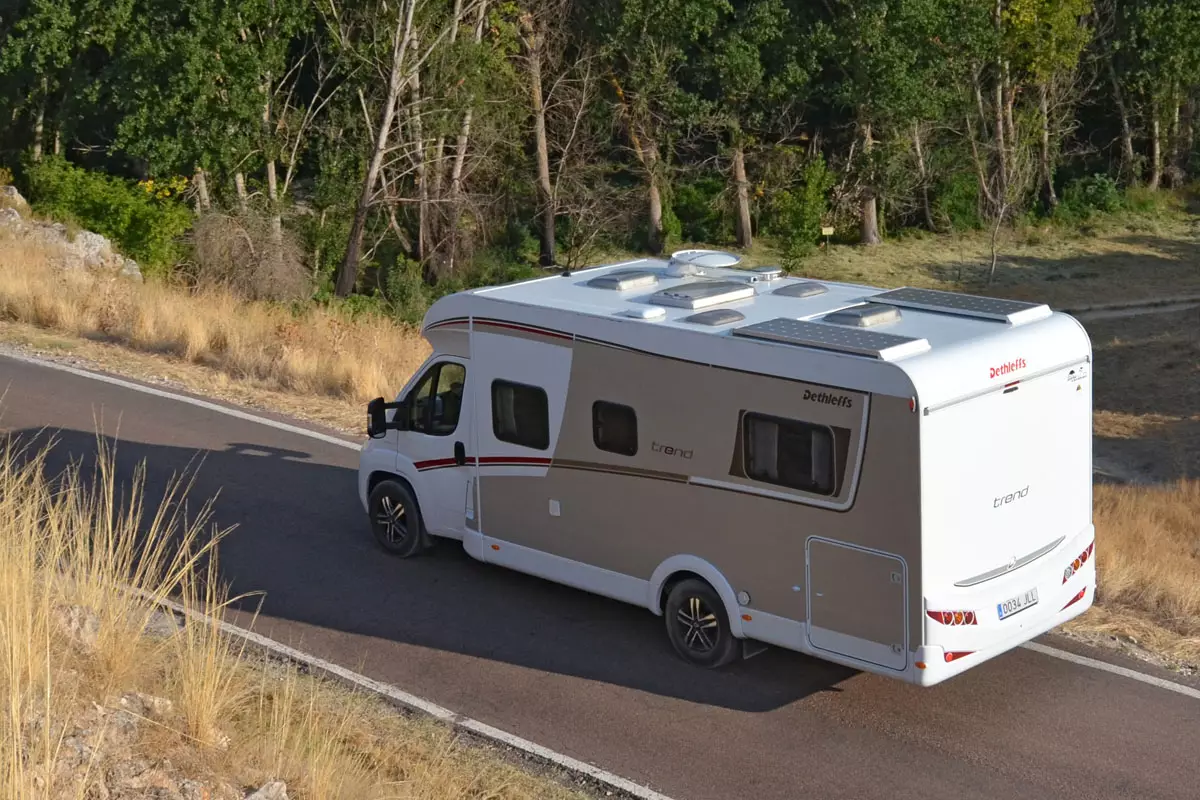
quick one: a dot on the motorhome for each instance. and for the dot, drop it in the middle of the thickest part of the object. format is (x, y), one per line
(896, 480)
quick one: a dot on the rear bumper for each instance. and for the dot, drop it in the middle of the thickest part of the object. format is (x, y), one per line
(949, 650)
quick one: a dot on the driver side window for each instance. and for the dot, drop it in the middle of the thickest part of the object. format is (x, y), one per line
(436, 401)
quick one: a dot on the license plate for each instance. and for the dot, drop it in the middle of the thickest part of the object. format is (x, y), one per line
(1016, 604)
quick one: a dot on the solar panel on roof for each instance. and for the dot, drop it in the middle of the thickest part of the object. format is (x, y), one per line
(885, 346)
(1014, 312)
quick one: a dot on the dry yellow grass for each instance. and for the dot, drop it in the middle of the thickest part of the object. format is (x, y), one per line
(1148, 564)
(89, 696)
(315, 352)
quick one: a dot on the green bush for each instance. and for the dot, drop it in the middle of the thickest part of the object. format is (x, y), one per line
(144, 220)
(956, 202)
(700, 210)
(795, 215)
(1083, 197)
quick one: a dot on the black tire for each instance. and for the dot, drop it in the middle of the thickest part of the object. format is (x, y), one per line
(698, 625)
(395, 519)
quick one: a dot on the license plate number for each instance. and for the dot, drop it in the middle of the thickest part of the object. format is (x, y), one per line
(1017, 604)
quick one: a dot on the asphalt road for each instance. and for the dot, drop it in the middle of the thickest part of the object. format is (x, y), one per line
(596, 679)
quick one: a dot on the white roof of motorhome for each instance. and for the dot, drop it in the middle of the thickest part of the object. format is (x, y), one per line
(925, 333)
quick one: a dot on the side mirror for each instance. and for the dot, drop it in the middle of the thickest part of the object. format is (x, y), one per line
(377, 422)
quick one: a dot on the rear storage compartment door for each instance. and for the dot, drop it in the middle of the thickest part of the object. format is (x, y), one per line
(857, 603)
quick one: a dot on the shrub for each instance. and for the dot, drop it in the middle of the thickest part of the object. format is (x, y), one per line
(796, 215)
(1083, 197)
(145, 221)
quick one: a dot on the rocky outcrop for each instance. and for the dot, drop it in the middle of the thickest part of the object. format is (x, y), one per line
(65, 249)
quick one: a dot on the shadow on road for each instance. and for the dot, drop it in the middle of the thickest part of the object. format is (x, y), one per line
(302, 539)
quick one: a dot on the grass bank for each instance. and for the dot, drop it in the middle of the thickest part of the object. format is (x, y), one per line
(100, 698)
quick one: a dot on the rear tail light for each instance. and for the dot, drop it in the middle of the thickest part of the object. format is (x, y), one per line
(953, 617)
(1078, 596)
(1079, 561)
(954, 655)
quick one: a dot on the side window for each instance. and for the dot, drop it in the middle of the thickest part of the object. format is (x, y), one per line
(436, 402)
(798, 455)
(614, 428)
(520, 414)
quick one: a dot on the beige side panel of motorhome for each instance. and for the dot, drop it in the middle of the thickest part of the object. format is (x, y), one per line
(629, 514)
(857, 600)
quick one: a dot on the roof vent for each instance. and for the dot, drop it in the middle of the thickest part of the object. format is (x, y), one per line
(765, 274)
(716, 316)
(694, 262)
(802, 289)
(642, 312)
(867, 315)
(624, 279)
(701, 294)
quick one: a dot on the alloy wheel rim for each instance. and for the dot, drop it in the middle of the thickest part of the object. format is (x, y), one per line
(698, 625)
(392, 519)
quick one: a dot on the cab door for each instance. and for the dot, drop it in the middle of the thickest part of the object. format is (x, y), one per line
(436, 441)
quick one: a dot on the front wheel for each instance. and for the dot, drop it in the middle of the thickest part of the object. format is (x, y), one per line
(698, 625)
(395, 518)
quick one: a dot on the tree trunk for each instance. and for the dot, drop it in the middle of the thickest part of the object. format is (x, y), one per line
(460, 155)
(348, 271)
(39, 123)
(1047, 166)
(545, 187)
(203, 200)
(239, 182)
(923, 174)
(870, 209)
(1186, 138)
(1001, 148)
(421, 167)
(1155, 147)
(745, 237)
(1127, 157)
(654, 195)
(1175, 172)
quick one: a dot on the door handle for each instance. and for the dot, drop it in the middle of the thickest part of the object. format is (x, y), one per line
(460, 454)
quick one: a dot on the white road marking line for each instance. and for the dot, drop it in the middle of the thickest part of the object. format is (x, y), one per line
(1084, 661)
(299, 431)
(432, 709)
(220, 409)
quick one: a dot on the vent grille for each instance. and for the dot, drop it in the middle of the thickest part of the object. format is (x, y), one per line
(701, 294)
(864, 316)
(801, 289)
(624, 279)
(716, 316)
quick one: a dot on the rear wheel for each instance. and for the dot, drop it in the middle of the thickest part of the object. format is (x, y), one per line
(698, 625)
(396, 518)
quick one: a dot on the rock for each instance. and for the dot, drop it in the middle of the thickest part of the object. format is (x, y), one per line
(147, 706)
(154, 782)
(65, 250)
(81, 625)
(10, 199)
(271, 790)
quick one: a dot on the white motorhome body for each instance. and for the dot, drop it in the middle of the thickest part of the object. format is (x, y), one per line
(894, 480)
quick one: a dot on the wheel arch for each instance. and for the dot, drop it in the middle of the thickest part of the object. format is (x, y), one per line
(681, 567)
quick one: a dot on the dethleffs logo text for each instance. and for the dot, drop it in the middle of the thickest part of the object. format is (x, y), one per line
(828, 398)
(1005, 369)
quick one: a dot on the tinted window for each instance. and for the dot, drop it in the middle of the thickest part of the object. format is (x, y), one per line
(436, 402)
(614, 428)
(789, 453)
(520, 414)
